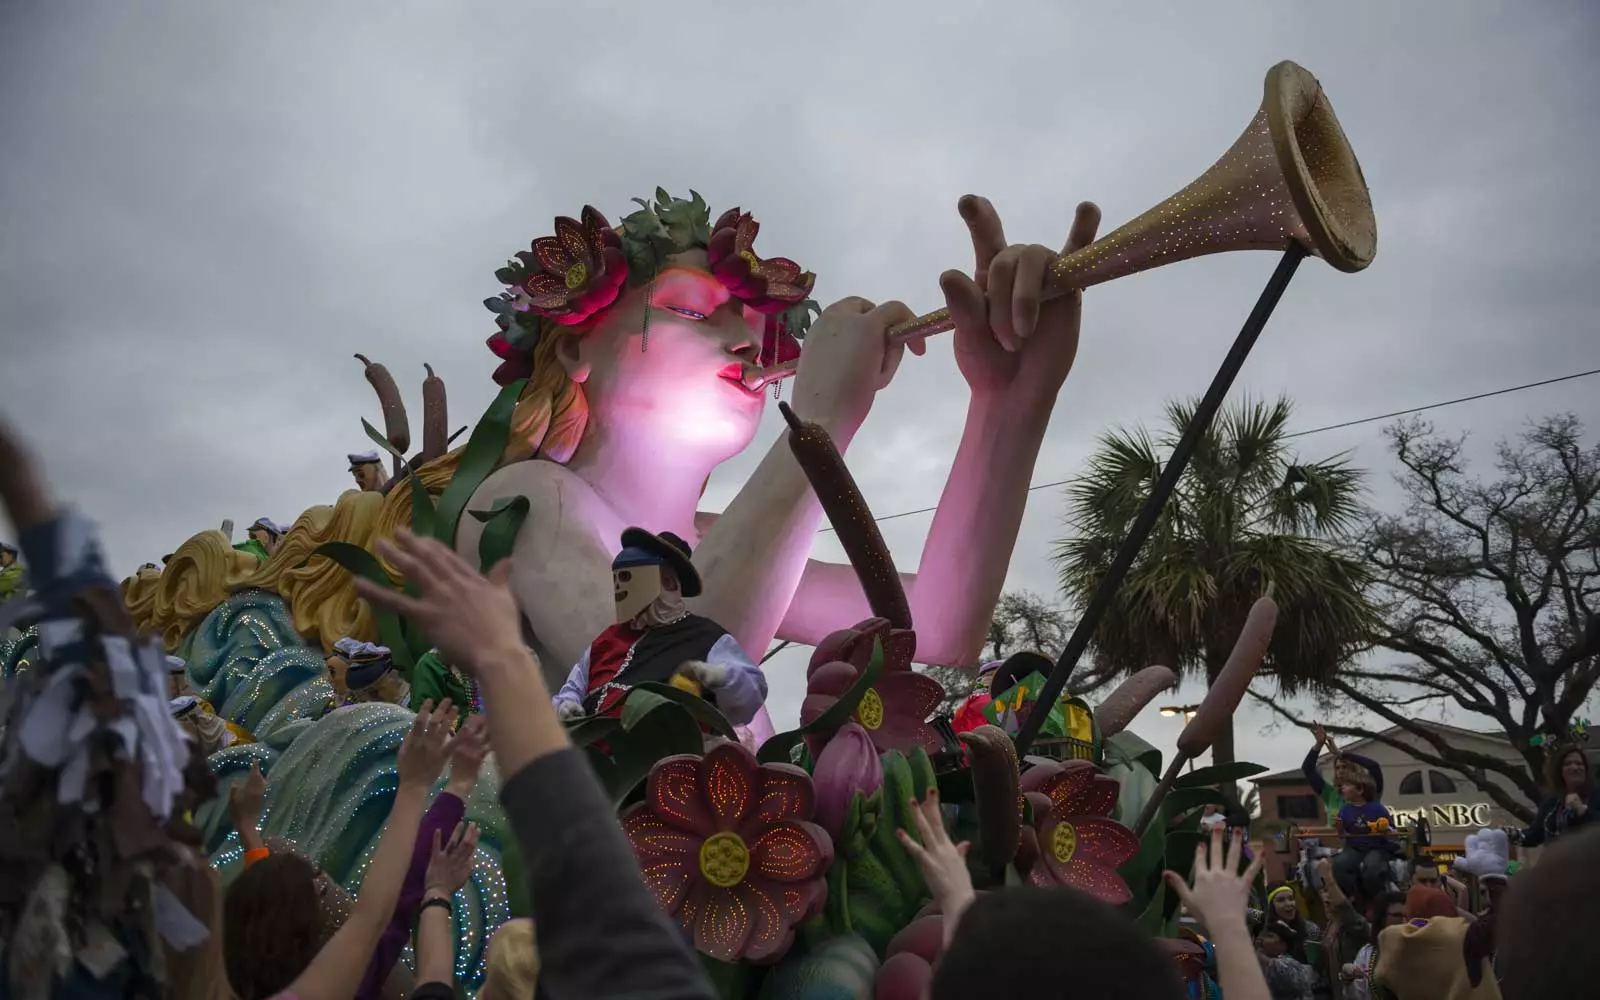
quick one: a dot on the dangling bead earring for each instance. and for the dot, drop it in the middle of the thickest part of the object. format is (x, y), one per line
(649, 300)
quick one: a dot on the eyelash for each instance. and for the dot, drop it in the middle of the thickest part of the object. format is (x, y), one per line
(686, 313)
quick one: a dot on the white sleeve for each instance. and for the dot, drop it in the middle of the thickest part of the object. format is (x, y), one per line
(745, 690)
(577, 684)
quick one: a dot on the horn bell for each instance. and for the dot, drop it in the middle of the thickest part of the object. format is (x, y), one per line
(1291, 177)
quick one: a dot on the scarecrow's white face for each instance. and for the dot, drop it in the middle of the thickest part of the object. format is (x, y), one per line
(636, 588)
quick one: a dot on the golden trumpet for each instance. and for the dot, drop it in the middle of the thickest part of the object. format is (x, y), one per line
(1292, 177)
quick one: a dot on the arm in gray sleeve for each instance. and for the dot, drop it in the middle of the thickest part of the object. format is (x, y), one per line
(744, 689)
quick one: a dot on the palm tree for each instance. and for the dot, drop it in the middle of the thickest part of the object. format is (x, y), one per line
(1246, 516)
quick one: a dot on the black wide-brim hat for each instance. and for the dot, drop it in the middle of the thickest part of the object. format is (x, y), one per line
(670, 549)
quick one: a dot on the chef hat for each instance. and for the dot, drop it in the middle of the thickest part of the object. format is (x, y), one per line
(177, 665)
(363, 458)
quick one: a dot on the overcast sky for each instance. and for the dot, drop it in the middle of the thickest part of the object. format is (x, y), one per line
(206, 208)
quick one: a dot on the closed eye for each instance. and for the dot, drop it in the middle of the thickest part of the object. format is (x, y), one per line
(686, 313)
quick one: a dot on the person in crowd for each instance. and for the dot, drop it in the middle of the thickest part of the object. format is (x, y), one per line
(1288, 978)
(1573, 799)
(367, 469)
(91, 837)
(1388, 910)
(1434, 955)
(272, 916)
(511, 963)
(1285, 907)
(601, 933)
(448, 870)
(1362, 866)
(1545, 947)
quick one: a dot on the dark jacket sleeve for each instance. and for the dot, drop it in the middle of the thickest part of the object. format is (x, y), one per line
(443, 815)
(1373, 769)
(1309, 768)
(1533, 836)
(601, 932)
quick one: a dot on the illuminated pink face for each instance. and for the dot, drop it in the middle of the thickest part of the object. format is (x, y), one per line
(684, 383)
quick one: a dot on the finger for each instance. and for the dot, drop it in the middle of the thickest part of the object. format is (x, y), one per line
(1085, 225)
(851, 305)
(935, 818)
(1254, 871)
(437, 849)
(913, 848)
(1202, 857)
(921, 820)
(968, 307)
(988, 235)
(470, 844)
(891, 313)
(255, 769)
(500, 573)
(389, 599)
(1026, 288)
(963, 847)
(1181, 887)
(1232, 853)
(1002, 280)
(918, 346)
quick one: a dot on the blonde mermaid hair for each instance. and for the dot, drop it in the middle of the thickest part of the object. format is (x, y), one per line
(512, 965)
(552, 413)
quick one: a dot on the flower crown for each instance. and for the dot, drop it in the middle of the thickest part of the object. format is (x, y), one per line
(1576, 736)
(579, 273)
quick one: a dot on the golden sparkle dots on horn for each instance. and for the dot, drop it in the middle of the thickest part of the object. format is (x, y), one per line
(1290, 177)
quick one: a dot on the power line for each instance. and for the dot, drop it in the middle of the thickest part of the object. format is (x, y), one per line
(1327, 427)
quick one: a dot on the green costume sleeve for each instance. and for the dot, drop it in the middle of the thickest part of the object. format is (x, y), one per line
(432, 679)
(10, 581)
(253, 547)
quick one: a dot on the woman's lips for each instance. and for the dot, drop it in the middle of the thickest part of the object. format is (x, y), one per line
(735, 373)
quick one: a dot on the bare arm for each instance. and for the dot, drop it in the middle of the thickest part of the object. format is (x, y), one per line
(436, 946)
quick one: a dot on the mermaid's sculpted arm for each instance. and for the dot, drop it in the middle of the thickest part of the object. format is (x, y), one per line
(561, 573)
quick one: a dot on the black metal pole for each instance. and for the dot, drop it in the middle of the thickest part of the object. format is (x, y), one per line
(1153, 505)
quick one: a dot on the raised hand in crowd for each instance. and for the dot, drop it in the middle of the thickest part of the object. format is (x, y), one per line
(467, 754)
(602, 934)
(245, 802)
(337, 971)
(449, 867)
(943, 863)
(1218, 899)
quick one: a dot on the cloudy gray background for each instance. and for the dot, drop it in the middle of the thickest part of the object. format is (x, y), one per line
(206, 208)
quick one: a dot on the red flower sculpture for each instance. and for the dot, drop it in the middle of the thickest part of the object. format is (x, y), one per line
(728, 847)
(1078, 845)
(778, 345)
(894, 710)
(577, 272)
(767, 286)
(514, 364)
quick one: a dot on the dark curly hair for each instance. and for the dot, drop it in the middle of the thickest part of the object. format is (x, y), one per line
(271, 925)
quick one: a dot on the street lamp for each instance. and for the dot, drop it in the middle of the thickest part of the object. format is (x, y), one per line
(1188, 712)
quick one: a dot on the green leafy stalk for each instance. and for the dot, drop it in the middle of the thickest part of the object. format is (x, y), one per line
(780, 746)
(365, 565)
(484, 450)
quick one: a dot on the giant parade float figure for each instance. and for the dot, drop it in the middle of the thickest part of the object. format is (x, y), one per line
(635, 359)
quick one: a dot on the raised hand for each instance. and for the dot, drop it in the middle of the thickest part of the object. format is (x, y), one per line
(470, 617)
(427, 746)
(467, 754)
(245, 799)
(943, 864)
(1007, 337)
(1220, 894)
(451, 863)
(1320, 734)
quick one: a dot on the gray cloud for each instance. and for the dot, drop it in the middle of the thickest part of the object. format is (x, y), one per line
(207, 209)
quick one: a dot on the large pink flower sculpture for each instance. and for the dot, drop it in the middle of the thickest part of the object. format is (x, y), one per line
(728, 847)
(895, 709)
(1078, 844)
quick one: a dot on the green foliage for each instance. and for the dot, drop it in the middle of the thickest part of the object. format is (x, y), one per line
(478, 460)
(660, 230)
(391, 631)
(875, 888)
(501, 522)
(1246, 516)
